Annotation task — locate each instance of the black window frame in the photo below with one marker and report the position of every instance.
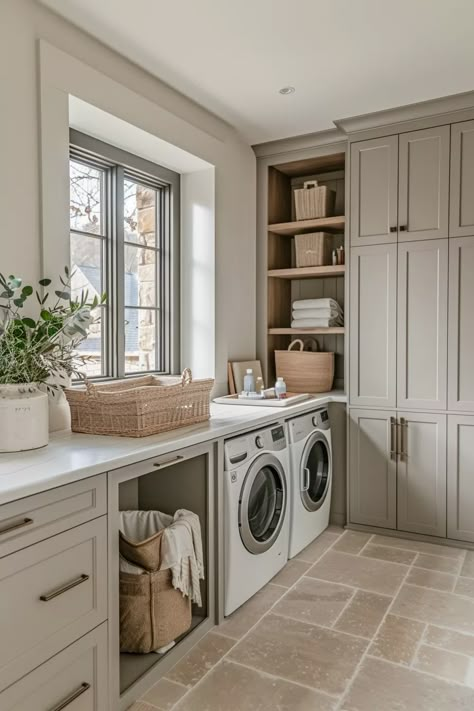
(119, 165)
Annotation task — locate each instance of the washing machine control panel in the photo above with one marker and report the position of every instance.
(302, 426)
(259, 442)
(238, 450)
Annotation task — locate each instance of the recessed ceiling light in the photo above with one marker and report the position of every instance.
(287, 90)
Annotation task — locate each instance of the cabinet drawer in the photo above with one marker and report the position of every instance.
(73, 680)
(35, 518)
(51, 594)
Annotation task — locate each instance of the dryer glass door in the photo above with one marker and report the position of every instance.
(315, 472)
(262, 504)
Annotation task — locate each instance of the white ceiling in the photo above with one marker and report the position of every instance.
(344, 57)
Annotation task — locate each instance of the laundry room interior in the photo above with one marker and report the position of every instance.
(236, 356)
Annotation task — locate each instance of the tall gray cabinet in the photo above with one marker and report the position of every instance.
(411, 345)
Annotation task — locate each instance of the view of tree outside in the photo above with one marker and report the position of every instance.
(141, 252)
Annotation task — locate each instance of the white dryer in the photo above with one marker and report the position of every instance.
(256, 512)
(311, 478)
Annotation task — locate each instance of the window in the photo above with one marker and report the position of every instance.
(124, 241)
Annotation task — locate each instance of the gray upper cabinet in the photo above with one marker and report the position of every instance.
(374, 191)
(422, 473)
(461, 325)
(373, 472)
(461, 209)
(423, 184)
(461, 477)
(422, 325)
(373, 309)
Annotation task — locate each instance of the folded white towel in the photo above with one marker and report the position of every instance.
(315, 322)
(181, 550)
(316, 313)
(316, 304)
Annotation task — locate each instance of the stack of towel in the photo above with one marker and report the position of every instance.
(316, 313)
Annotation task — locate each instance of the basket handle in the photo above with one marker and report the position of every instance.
(296, 341)
(186, 377)
(310, 184)
(91, 388)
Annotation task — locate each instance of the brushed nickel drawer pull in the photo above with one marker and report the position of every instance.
(403, 439)
(72, 697)
(15, 526)
(65, 588)
(168, 462)
(393, 437)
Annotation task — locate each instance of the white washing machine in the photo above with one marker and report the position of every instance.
(311, 478)
(256, 512)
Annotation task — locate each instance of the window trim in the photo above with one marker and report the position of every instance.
(120, 164)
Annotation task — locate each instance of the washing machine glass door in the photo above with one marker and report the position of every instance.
(262, 504)
(315, 471)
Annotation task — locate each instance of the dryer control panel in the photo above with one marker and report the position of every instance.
(302, 426)
(243, 448)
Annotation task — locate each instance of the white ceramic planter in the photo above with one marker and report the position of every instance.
(23, 418)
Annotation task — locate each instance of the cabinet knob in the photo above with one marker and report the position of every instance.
(403, 228)
(393, 229)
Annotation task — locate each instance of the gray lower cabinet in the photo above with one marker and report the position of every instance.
(374, 191)
(421, 473)
(422, 325)
(461, 477)
(373, 326)
(423, 175)
(461, 212)
(461, 324)
(372, 469)
(74, 679)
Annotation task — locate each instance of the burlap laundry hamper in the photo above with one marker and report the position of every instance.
(152, 612)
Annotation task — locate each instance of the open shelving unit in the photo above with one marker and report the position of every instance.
(286, 282)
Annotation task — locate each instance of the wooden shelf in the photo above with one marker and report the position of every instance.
(308, 272)
(301, 226)
(330, 331)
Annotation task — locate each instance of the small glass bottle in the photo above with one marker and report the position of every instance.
(280, 389)
(259, 385)
(249, 381)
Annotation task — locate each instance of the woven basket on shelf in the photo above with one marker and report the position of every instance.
(313, 249)
(305, 371)
(141, 406)
(313, 201)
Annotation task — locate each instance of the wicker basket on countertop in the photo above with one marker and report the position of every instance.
(305, 371)
(139, 407)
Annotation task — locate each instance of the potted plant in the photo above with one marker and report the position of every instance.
(37, 355)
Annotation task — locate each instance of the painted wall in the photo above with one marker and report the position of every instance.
(24, 181)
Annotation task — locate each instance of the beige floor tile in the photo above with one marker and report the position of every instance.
(442, 663)
(435, 607)
(465, 586)
(314, 656)
(450, 640)
(439, 563)
(352, 542)
(292, 572)
(200, 659)
(317, 548)
(165, 694)
(141, 706)
(382, 686)
(419, 546)
(232, 687)
(397, 639)
(359, 572)
(239, 623)
(364, 614)
(393, 555)
(431, 579)
(468, 567)
(314, 601)
(335, 528)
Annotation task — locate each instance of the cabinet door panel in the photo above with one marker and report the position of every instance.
(461, 324)
(422, 473)
(374, 190)
(461, 212)
(372, 472)
(373, 306)
(461, 477)
(423, 184)
(422, 324)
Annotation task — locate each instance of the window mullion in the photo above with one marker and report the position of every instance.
(120, 274)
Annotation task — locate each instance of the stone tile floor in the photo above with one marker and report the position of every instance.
(355, 623)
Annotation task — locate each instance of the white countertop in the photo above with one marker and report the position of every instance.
(70, 457)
